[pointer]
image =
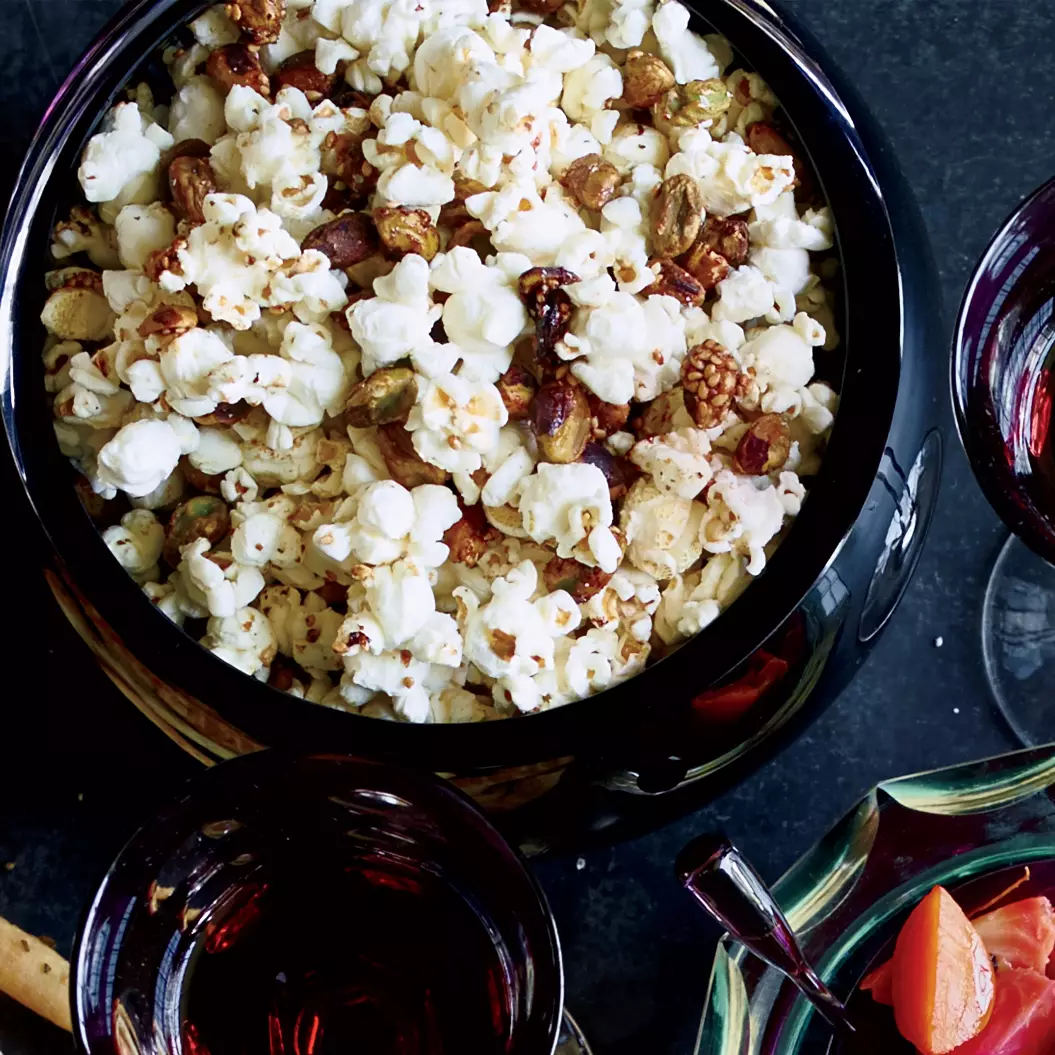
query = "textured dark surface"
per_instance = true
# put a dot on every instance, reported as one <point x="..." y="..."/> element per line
<point x="954" y="84"/>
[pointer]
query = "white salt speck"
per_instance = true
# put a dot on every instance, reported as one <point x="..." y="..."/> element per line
<point x="956" y="710"/>
<point x="939" y="641"/>
<point x="580" y="864"/>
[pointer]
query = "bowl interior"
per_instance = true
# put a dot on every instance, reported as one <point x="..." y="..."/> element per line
<point x="866" y="374"/>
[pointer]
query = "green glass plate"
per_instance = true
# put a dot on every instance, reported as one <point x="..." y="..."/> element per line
<point x="847" y="897"/>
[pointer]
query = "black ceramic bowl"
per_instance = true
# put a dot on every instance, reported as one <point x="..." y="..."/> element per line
<point x="848" y="557"/>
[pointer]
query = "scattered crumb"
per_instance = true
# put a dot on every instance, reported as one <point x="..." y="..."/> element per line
<point x="939" y="641"/>
<point x="580" y="864"/>
<point x="9" y="866"/>
<point x="80" y="796"/>
<point x="47" y="940"/>
<point x="956" y="710"/>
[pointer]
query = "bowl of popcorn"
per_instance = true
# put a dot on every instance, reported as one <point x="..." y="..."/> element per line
<point x="382" y="372"/>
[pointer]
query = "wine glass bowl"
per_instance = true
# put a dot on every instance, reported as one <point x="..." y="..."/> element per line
<point x="314" y="903"/>
<point x="1002" y="388"/>
<point x="1001" y="372"/>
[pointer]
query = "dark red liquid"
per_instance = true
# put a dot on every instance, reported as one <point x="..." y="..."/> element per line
<point x="375" y="958"/>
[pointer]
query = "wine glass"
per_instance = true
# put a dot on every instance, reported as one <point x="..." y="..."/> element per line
<point x="1003" y="392"/>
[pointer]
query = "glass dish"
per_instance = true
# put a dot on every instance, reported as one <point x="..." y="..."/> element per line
<point x="847" y="897"/>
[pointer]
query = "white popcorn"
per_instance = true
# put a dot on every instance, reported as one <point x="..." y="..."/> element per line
<point x="628" y="22"/>
<point x="401" y="598"/>
<point x="483" y="316"/>
<point x="679" y="462"/>
<point x="165" y="598"/>
<point x="317" y="379"/>
<point x="523" y="221"/>
<point x="386" y="32"/>
<point x="218" y="452"/>
<point x="390" y="673"/>
<point x="140" y="457"/>
<point x="244" y="639"/>
<point x="634" y="145"/>
<point x="221" y="592"/>
<point x="662" y="530"/>
<point x="456" y="421"/>
<point x="215" y="258"/>
<point x="84" y="233"/>
<point x="197" y="112"/>
<point x="186" y="365"/>
<point x="569" y="504"/>
<point x="780" y="358"/>
<point x="587" y="93"/>
<point x="213" y="29"/>
<point x="685" y="52"/>
<point x="731" y="178"/>
<point x="511" y="637"/>
<point x="141" y="230"/>
<point x="743" y="295"/>
<point x="628" y="349"/>
<point x="743" y="513"/>
<point x="137" y="543"/>
<point x="397" y="322"/>
<point x="237" y="485"/>
<point x="778" y="226"/>
<point x="126" y="152"/>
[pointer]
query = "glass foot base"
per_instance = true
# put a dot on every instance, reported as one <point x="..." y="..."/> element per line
<point x="1018" y="642"/>
<point x="571" y="1041"/>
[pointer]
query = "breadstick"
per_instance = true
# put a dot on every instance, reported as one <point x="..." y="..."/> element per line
<point x="34" y="975"/>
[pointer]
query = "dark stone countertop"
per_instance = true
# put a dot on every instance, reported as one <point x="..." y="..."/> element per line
<point x="950" y="81"/>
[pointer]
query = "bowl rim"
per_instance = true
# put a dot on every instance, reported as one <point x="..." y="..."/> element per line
<point x="873" y="329"/>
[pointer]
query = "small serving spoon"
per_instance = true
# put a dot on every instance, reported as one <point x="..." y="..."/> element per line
<point x="714" y="872"/>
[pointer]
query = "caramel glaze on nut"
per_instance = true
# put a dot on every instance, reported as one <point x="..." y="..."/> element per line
<point x="676" y="282"/>
<point x="764" y="447"/>
<point x="344" y="158"/>
<point x="606" y="418"/>
<point x="348" y="240"/>
<point x="204" y="482"/>
<point x="191" y="180"/>
<point x="469" y="538"/>
<point x="299" y="71"/>
<point x="764" y="138"/>
<point x="259" y="20"/>
<point x="582" y="582"/>
<point x="712" y="381"/>
<point x="517" y="388"/>
<point x="403" y="231"/>
<point x="238" y="64"/>
<point x="547" y="303"/>
<point x="619" y="472"/>
<point x="560" y="415"/>
<point x="591" y="180"/>
<point x="404" y="463"/>
<point x="646" y="80"/>
<point x="226" y="414"/>
<point x="170" y="320"/>
<point x="677" y="215"/>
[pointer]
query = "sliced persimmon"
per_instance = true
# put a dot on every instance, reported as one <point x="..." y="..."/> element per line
<point x="943" y="980"/>
<point x="880" y="983"/>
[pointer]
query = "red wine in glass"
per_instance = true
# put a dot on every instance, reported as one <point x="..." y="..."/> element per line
<point x="321" y="905"/>
<point x="320" y="959"/>
<point x="1003" y="383"/>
